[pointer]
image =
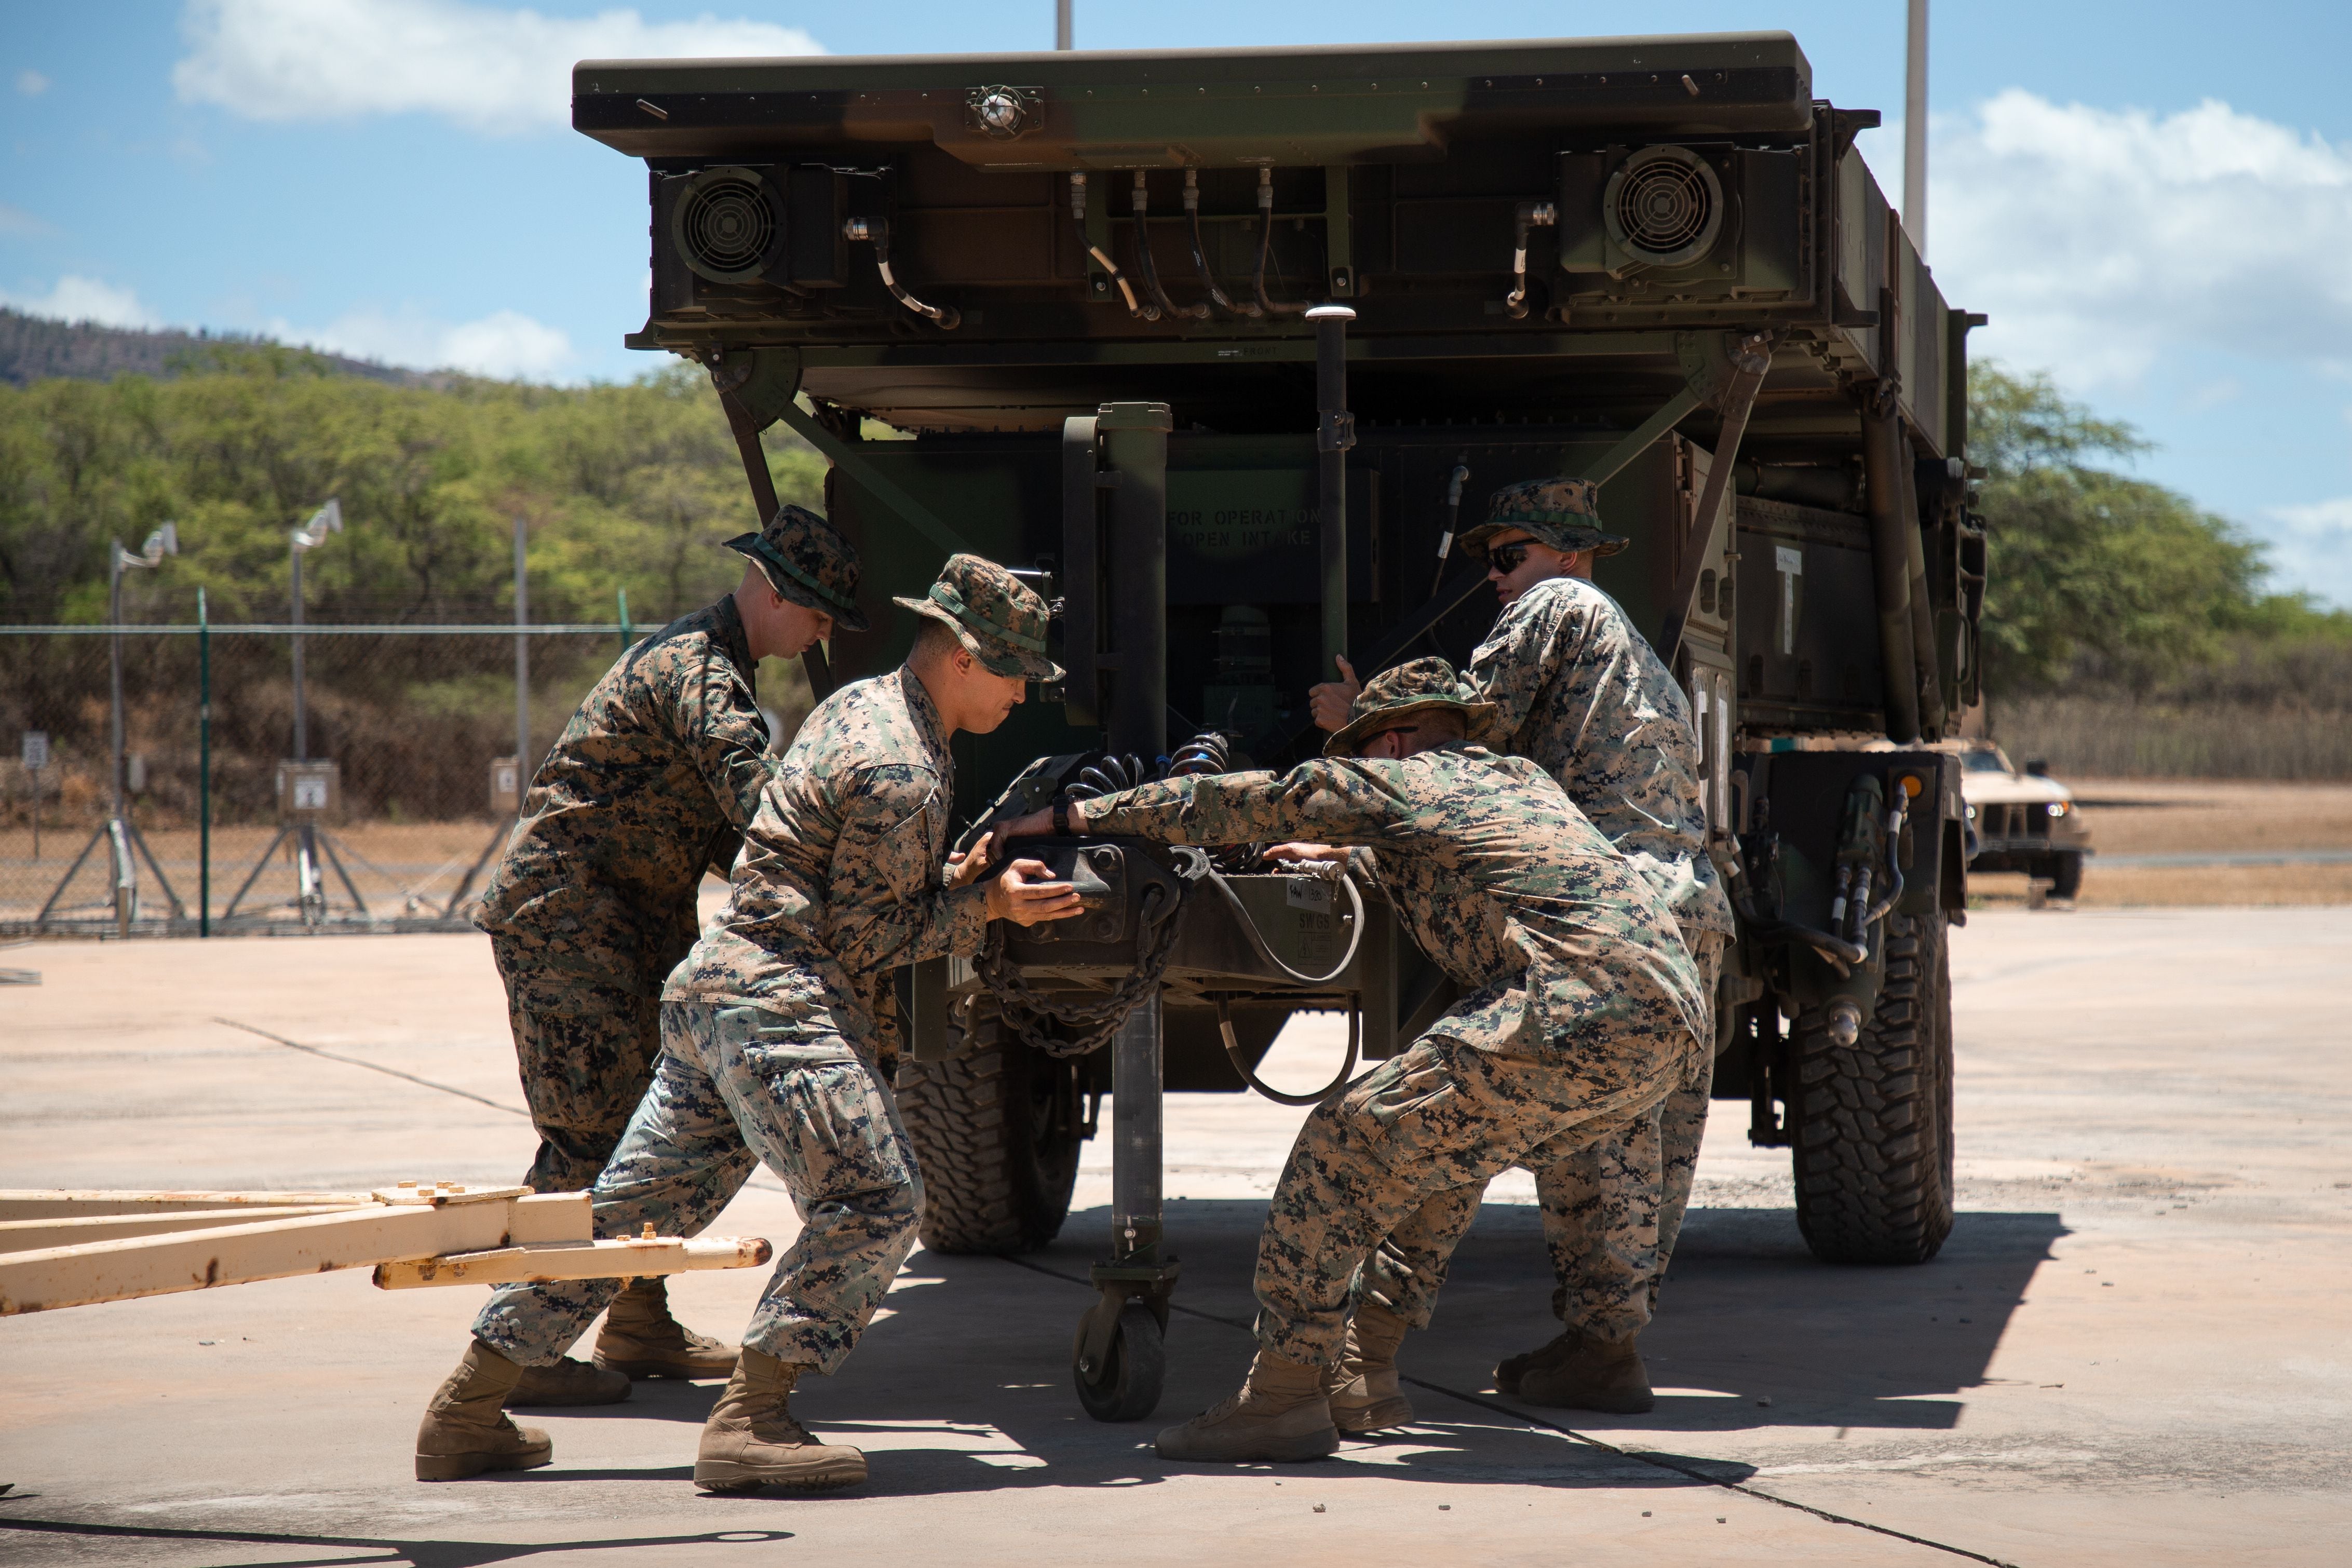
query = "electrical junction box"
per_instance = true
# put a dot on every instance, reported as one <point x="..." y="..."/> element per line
<point x="506" y="786"/>
<point x="306" y="790"/>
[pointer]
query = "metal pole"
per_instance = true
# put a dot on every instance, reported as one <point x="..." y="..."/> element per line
<point x="522" y="661"/>
<point x="1914" y="129"/>
<point x="114" y="655"/>
<point x="1135" y="444"/>
<point x="302" y="728"/>
<point x="124" y="894"/>
<point x="1135" y="1119"/>
<point x="1062" y="25"/>
<point x="1335" y="432"/>
<point x="204" y="768"/>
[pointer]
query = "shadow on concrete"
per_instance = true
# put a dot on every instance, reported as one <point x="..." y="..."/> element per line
<point x="963" y="1384"/>
<point x="419" y="1554"/>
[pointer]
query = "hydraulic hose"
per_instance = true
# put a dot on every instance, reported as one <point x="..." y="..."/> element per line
<point x="1149" y="267"/>
<point x="1201" y="251"/>
<point x="877" y="231"/>
<point x="1078" y="215"/>
<point x="1266" y="248"/>
<point x="1338" y="1081"/>
<point x="1530" y="215"/>
<point x="1454" y="483"/>
<point x="1885" y="905"/>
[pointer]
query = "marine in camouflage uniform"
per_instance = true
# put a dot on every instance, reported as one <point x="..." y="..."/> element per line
<point x="772" y="1029"/>
<point x="1580" y="692"/>
<point x="593" y="902"/>
<point x="1582" y="1009"/>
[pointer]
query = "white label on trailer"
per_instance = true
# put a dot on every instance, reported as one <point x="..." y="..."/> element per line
<point x="1790" y="565"/>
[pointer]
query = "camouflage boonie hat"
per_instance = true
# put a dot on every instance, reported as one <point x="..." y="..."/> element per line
<point x="1564" y="513"/>
<point x="993" y="614"/>
<point x="806" y="560"/>
<point x="1395" y="694"/>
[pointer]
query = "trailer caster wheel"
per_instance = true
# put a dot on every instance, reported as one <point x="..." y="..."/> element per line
<point x="1125" y="1385"/>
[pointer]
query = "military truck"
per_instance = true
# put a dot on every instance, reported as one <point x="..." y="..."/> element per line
<point x="1223" y="347"/>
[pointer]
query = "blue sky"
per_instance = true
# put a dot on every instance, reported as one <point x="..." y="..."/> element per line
<point x="2153" y="200"/>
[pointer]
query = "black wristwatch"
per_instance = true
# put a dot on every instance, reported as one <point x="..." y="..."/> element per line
<point x="1062" y="820"/>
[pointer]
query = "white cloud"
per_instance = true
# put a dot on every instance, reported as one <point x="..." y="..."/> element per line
<point x="2311" y="547"/>
<point x="2096" y="238"/>
<point x="17" y="221"/>
<point x="32" y="83"/>
<point x="77" y="299"/>
<point x="506" y="343"/>
<point x="485" y="68"/>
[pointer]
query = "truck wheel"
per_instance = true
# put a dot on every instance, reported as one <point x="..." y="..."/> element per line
<point x="996" y="1140"/>
<point x="1872" y="1130"/>
<point x="2067" y="874"/>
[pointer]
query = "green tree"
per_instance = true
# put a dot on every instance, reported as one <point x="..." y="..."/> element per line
<point x="2087" y="563"/>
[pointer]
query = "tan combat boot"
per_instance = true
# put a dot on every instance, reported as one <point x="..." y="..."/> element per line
<point x="1281" y="1415"/>
<point x="1552" y="1352"/>
<point x="568" y="1382"/>
<point x="752" y="1440"/>
<point x="640" y="1339"/>
<point x="1365" y="1396"/>
<point x="466" y="1433"/>
<point x="1597" y="1375"/>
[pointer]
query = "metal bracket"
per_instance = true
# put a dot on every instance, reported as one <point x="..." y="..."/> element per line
<point x="1150" y="1283"/>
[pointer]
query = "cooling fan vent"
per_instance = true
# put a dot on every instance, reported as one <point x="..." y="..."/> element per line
<point x="1665" y="206"/>
<point x="727" y="224"/>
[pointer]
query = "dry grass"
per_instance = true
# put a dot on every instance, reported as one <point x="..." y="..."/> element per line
<point x="2160" y="817"/>
<point x="2187" y="816"/>
<point x="2120" y="738"/>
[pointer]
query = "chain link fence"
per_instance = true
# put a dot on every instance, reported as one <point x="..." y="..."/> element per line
<point x="392" y="826"/>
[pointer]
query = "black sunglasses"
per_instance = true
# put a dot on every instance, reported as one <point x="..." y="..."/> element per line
<point x="1509" y="558"/>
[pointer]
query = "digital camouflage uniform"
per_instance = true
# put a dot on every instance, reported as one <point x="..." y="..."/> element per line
<point x="1580" y="692"/>
<point x="593" y="902"/>
<point x="772" y="1027"/>
<point x="1581" y="1011"/>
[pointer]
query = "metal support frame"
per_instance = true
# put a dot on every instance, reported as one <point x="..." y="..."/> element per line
<point x="76" y="1248"/>
<point x="1751" y="362"/>
<point x="125" y="845"/>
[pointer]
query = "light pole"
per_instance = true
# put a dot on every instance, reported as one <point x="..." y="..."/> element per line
<point x="123" y="840"/>
<point x="1062" y="25"/>
<point x="326" y="520"/>
<point x="305" y="790"/>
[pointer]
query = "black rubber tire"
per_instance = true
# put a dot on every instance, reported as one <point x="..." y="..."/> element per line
<point x="1871" y="1133"/>
<point x="1135" y="1368"/>
<point x="2067" y="874"/>
<point x="997" y="1173"/>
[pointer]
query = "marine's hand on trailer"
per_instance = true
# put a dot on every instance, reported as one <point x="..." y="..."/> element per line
<point x="1330" y="702"/>
<point x="1019" y="894"/>
<point x="1320" y="852"/>
<point x="965" y="866"/>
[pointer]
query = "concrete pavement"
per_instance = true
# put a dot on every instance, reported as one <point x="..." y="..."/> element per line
<point x="2135" y="1348"/>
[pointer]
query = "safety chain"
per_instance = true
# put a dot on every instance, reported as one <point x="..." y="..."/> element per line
<point x="1089" y="1022"/>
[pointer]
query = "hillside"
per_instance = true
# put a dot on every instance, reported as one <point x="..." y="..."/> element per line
<point x="35" y="348"/>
